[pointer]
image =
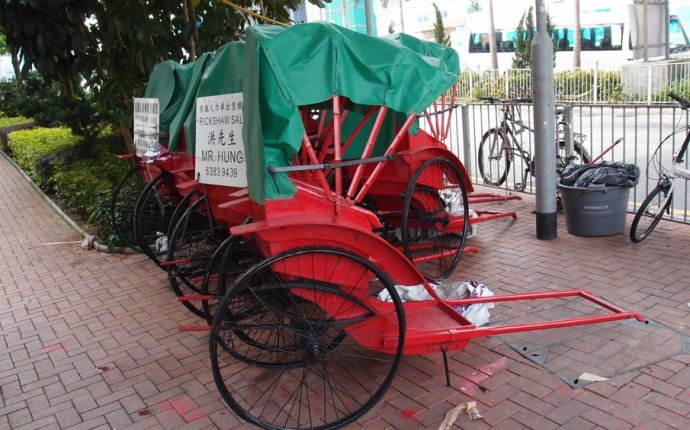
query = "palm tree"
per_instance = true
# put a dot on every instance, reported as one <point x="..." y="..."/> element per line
<point x="492" y="37"/>
<point x="577" y="44"/>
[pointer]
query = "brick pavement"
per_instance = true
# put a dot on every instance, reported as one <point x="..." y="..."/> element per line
<point x="90" y="340"/>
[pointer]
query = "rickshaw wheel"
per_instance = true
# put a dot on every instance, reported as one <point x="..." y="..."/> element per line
<point x="192" y="242"/>
<point x="230" y="259"/>
<point x="152" y="215"/>
<point x="435" y="218"/>
<point x="283" y="342"/>
<point x="180" y="209"/>
<point x="122" y="205"/>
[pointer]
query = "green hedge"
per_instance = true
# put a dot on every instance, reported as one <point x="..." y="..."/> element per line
<point x="36" y="150"/>
<point x="7" y="122"/>
<point x="55" y="160"/>
<point x="86" y="186"/>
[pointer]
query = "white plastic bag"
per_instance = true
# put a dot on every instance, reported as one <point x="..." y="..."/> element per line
<point x="477" y="314"/>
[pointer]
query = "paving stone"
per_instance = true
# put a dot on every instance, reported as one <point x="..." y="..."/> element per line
<point x="90" y="340"/>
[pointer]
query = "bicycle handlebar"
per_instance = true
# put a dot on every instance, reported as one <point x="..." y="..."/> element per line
<point x="684" y="104"/>
<point x="506" y="101"/>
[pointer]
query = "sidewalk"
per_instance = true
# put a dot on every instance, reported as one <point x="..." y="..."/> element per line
<point x="90" y="340"/>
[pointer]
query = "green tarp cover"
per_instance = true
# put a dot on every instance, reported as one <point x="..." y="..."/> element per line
<point x="286" y="68"/>
<point x="177" y="86"/>
<point x="280" y="69"/>
<point x="168" y="83"/>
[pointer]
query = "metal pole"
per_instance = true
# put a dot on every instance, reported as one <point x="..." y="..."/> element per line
<point x="644" y="31"/>
<point x="465" y="116"/>
<point x="667" y="22"/>
<point x="367" y="15"/>
<point x="544" y="128"/>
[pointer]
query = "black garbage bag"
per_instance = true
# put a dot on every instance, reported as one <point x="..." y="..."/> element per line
<point x="605" y="173"/>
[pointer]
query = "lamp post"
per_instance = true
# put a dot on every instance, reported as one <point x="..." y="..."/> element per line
<point x="544" y="128"/>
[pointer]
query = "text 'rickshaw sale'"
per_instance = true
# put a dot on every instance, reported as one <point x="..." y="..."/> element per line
<point x="220" y="147"/>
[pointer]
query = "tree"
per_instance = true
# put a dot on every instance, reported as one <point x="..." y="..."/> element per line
<point x="50" y="35"/>
<point x="439" y="28"/>
<point x="524" y="34"/>
<point x="113" y="45"/>
<point x="493" y="49"/>
<point x="577" y="42"/>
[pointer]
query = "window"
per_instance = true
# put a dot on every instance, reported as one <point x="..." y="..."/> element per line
<point x="505" y="41"/>
<point x="594" y="38"/>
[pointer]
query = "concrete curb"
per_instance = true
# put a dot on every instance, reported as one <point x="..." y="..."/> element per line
<point x="91" y="238"/>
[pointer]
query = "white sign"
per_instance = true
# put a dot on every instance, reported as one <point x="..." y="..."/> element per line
<point x="146" y="125"/>
<point x="219" y="146"/>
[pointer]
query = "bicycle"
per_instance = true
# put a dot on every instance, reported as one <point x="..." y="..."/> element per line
<point x="499" y="145"/>
<point x="659" y="200"/>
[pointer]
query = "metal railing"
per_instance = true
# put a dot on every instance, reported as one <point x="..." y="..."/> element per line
<point x="608" y="83"/>
<point x="641" y="127"/>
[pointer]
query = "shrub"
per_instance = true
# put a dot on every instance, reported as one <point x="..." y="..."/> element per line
<point x="680" y="87"/>
<point x="8" y="125"/>
<point x="38" y="149"/>
<point x="86" y="186"/>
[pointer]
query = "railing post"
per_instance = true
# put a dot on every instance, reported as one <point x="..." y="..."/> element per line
<point x="649" y="84"/>
<point x="596" y="82"/>
<point x="568" y="130"/>
<point x="506" y="74"/>
<point x="466" y="147"/>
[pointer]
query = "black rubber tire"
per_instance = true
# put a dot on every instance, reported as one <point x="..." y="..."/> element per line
<point x="152" y="214"/>
<point x="232" y="258"/>
<point x="653" y="207"/>
<point x="427" y="230"/>
<point x="302" y="367"/>
<point x="122" y="204"/>
<point x="495" y="146"/>
<point x="180" y="209"/>
<point x="194" y="239"/>
<point x="581" y="154"/>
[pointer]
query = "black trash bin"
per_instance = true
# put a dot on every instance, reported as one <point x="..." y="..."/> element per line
<point x="595" y="197"/>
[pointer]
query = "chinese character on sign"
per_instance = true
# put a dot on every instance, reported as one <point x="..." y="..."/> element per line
<point x="211" y="137"/>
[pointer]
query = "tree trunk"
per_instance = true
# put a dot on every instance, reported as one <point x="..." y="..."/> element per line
<point x="492" y="37"/>
<point x="126" y="135"/>
<point x="14" y="53"/>
<point x="577" y="44"/>
<point x="190" y="42"/>
<point x="68" y="86"/>
<point x="402" y="20"/>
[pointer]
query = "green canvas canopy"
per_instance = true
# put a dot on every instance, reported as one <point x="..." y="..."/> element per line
<point x="280" y="69"/>
<point x="286" y="68"/>
<point x="168" y="83"/>
<point x="177" y="86"/>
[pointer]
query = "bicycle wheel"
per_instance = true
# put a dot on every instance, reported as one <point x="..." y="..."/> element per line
<point x="580" y="156"/>
<point x="122" y="205"/>
<point x="191" y="244"/>
<point x="152" y="215"/>
<point x="651" y="211"/>
<point x="494" y="157"/>
<point x="435" y="218"/>
<point x="232" y="258"/>
<point x="286" y="342"/>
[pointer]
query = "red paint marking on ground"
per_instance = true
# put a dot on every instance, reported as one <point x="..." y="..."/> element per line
<point x="409" y="413"/>
<point x="492" y="368"/>
<point x="164" y="405"/>
<point x="52" y="348"/>
<point x="182" y="406"/>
